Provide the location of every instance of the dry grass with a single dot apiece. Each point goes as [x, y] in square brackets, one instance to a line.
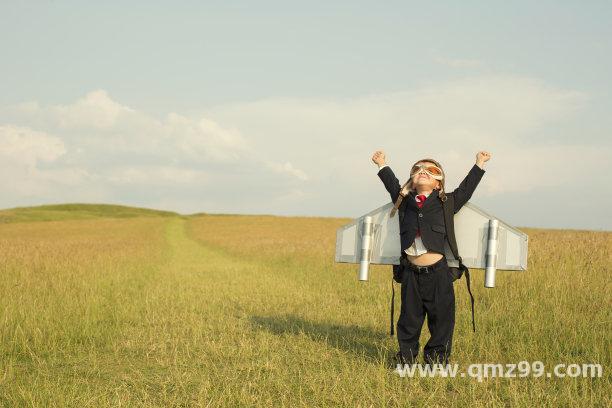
[242, 311]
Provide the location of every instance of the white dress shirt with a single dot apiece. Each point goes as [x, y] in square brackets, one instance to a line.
[417, 247]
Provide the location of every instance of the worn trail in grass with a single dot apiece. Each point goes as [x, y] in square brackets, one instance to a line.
[218, 328]
[222, 329]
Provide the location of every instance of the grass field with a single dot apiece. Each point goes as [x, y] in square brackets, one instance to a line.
[116, 306]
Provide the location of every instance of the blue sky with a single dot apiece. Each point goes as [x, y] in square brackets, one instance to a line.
[276, 107]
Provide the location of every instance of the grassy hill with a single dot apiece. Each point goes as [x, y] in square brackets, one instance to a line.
[77, 211]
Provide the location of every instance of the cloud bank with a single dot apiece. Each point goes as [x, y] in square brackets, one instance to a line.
[299, 156]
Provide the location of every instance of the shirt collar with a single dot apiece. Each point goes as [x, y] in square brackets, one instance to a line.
[426, 195]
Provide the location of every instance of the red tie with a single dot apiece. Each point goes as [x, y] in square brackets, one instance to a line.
[420, 200]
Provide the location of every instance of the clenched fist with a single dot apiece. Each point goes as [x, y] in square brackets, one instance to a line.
[482, 157]
[379, 158]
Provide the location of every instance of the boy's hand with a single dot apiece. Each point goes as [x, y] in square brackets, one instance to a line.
[379, 158]
[482, 157]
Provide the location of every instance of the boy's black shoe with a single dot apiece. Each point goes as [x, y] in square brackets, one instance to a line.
[402, 360]
[436, 359]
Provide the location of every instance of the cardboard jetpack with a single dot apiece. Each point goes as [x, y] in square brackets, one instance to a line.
[484, 242]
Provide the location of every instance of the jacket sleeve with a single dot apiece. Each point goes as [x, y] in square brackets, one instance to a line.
[390, 181]
[465, 190]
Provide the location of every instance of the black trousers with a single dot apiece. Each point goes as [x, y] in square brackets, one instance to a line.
[427, 294]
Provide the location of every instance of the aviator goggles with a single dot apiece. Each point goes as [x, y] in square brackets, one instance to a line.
[432, 170]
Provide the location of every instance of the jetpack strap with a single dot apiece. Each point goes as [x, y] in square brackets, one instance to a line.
[403, 192]
[392, 305]
[449, 222]
[466, 271]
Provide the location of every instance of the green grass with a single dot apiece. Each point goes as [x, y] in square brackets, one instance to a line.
[60, 212]
[252, 311]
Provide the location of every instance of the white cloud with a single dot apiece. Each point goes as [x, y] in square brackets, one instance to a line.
[287, 168]
[202, 138]
[23, 152]
[23, 146]
[520, 169]
[96, 109]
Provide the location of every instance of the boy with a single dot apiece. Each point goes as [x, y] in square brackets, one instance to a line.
[426, 280]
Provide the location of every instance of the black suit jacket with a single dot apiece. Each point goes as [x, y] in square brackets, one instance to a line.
[430, 217]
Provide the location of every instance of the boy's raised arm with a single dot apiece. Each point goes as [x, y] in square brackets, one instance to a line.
[386, 175]
[465, 190]
[390, 181]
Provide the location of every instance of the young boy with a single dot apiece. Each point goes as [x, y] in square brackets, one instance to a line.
[426, 281]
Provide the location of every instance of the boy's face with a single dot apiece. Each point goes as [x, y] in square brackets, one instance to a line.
[421, 178]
